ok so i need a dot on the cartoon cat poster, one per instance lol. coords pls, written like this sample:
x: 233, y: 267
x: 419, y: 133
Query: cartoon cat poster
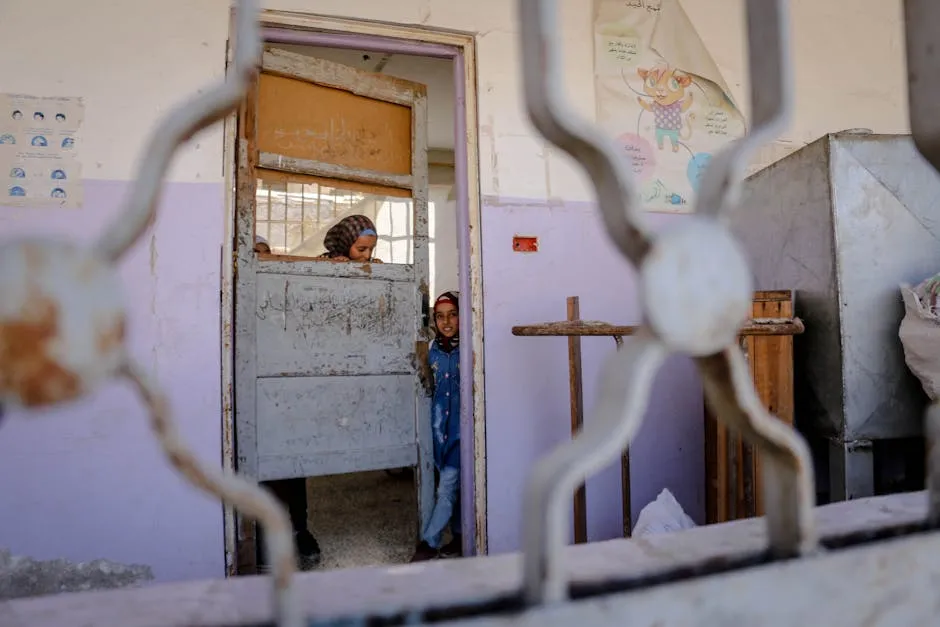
x: 661, y: 97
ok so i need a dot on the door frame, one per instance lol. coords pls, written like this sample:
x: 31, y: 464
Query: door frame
x: 282, y: 27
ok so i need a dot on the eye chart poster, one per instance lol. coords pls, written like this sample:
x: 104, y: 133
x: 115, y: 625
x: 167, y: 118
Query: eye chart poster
x: 39, y: 139
x: 661, y: 96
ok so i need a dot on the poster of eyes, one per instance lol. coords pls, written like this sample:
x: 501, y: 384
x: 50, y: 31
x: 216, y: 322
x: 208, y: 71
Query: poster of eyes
x: 38, y: 143
x: 661, y: 96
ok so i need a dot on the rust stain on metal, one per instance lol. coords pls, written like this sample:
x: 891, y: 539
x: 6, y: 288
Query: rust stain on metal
x: 110, y: 336
x: 26, y: 367
x: 367, y: 268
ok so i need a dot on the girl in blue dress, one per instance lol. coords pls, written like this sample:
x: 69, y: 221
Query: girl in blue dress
x: 444, y: 358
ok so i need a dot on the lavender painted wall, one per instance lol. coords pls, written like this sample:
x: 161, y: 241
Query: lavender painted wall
x: 88, y: 480
x: 527, y: 408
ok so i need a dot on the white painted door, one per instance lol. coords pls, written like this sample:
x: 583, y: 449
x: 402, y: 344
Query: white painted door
x: 329, y: 356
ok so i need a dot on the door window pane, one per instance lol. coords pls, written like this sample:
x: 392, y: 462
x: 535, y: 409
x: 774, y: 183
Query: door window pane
x: 293, y: 214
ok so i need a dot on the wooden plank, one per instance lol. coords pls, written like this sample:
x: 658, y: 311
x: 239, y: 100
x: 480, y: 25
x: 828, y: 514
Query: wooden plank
x: 310, y: 121
x: 310, y: 326
x: 712, y: 476
x: 733, y: 475
x: 246, y: 460
x: 590, y: 328
x: 577, y: 416
x: 748, y: 474
x: 337, y: 76
x: 309, y: 167
x: 289, y: 265
x: 424, y: 477
x: 774, y: 296
x: 733, y: 447
x: 626, y: 494
x: 282, y: 178
x: 335, y: 425
x: 573, y: 328
x: 468, y: 180
x: 771, y: 361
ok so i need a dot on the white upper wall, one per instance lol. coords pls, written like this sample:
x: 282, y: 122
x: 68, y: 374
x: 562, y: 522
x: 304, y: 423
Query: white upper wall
x: 131, y: 61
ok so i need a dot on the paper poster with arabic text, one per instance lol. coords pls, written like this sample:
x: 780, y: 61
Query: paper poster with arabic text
x: 661, y: 96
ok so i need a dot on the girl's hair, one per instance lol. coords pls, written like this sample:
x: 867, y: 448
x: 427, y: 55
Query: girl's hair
x: 342, y: 235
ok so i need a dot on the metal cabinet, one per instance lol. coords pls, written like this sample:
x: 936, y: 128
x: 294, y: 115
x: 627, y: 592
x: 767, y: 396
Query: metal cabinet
x: 842, y: 222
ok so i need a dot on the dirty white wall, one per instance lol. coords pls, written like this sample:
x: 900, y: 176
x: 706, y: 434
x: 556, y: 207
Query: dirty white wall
x: 87, y: 481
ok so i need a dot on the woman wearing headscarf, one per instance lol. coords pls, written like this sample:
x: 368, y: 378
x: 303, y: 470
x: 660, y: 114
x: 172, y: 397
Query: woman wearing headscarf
x: 351, y: 239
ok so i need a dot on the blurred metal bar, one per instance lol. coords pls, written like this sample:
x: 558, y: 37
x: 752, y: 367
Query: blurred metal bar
x: 696, y: 266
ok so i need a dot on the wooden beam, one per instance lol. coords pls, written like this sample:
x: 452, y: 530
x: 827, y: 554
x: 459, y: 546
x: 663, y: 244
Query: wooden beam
x: 280, y: 163
x: 626, y: 494
x: 734, y: 487
x: 577, y: 415
x: 589, y: 328
x: 322, y: 72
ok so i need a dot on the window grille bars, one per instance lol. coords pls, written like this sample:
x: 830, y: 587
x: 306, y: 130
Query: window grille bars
x: 694, y: 267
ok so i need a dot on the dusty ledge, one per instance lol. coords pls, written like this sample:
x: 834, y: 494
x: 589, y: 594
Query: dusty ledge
x: 245, y: 600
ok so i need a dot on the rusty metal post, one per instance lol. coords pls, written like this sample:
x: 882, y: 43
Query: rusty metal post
x: 62, y: 329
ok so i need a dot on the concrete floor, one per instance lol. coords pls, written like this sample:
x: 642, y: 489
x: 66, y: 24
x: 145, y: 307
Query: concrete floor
x: 363, y: 519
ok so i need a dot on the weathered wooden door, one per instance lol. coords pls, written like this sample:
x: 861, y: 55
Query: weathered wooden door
x: 329, y: 375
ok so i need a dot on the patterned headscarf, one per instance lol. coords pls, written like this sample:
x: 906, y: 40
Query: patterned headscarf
x: 447, y: 344
x: 342, y: 235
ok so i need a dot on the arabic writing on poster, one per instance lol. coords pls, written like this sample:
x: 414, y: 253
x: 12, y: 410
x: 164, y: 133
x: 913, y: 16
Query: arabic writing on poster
x: 39, y: 140
x: 667, y: 119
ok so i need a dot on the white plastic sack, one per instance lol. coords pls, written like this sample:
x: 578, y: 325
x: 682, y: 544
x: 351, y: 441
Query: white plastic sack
x: 662, y: 516
x: 920, y: 334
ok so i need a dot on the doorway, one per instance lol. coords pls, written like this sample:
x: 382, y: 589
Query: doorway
x: 424, y: 256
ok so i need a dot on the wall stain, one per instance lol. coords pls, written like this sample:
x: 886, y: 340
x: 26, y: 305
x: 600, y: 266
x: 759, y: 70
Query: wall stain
x: 154, y: 257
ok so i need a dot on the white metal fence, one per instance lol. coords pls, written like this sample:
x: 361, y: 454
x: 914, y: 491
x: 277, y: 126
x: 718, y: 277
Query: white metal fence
x: 71, y: 295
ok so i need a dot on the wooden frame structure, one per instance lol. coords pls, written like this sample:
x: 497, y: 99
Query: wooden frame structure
x: 768, y: 340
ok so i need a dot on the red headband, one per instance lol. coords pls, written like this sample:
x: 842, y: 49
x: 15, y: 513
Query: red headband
x: 446, y: 297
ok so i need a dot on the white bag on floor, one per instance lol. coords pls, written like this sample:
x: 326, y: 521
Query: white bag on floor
x: 662, y: 516
x: 920, y: 334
